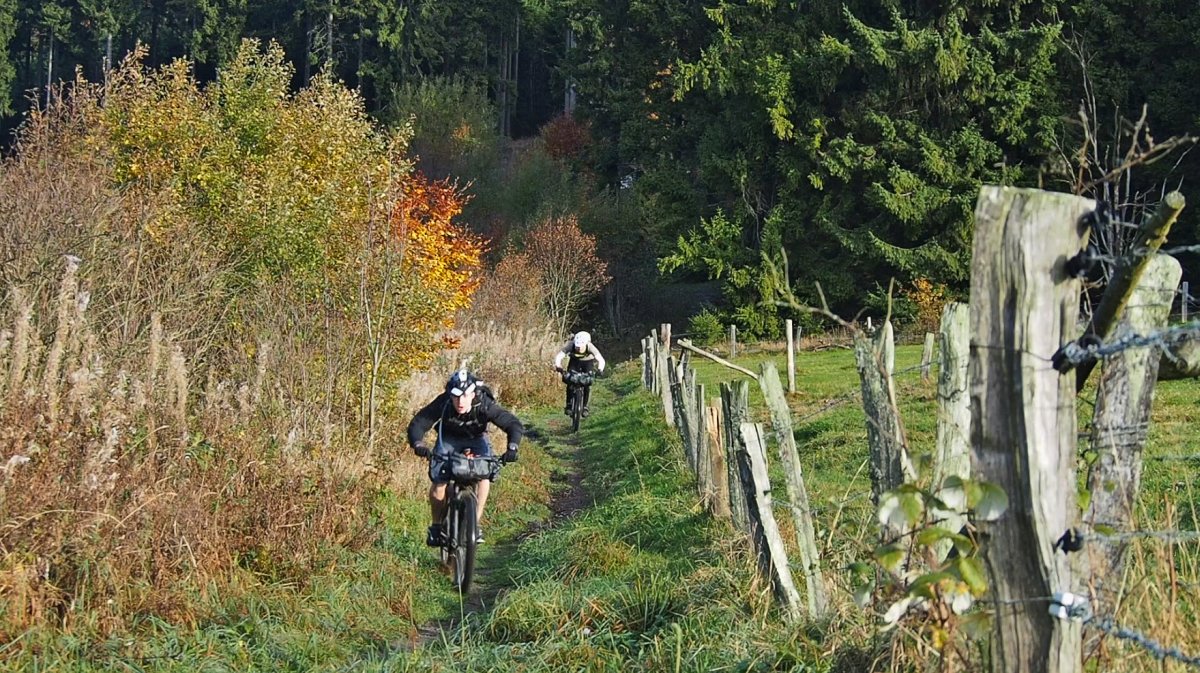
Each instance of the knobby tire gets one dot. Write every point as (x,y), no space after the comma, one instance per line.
(464,563)
(449,534)
(576,407)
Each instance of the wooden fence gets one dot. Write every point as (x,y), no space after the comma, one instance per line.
(1006,416)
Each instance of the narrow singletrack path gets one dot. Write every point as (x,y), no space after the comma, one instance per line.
(568,497)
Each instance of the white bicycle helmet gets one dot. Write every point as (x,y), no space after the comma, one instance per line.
(582,339)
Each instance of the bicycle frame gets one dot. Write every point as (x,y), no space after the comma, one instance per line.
(460,525)
(577,383)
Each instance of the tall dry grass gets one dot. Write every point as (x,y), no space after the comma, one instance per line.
(169,425)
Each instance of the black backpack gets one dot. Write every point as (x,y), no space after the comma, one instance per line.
(485,393)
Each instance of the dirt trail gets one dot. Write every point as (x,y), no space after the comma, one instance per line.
(567,498)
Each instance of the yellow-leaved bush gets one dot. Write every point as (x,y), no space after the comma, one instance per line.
(209,289)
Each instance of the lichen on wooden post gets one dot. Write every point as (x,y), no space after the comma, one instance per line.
(1024,307)
(1120,424)
(890,464)
(789,458)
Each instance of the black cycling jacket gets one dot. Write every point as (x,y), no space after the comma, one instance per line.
(464,426)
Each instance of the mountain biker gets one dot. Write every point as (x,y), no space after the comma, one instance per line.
(461,413)
(582,356)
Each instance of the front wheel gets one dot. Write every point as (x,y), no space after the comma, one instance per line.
(463,565)
(576,407)
(449,533)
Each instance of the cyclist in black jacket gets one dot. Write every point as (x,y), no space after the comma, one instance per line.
(461,415)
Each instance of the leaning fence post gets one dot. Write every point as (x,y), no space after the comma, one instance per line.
(772,553)
(1150,237)
(890,464)
(1024,306)
(1120,425)
(789,458)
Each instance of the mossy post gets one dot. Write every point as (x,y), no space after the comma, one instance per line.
(1149,239)
(1119,428)
(1024,307)
(678,411)
(735,405)
(890,464)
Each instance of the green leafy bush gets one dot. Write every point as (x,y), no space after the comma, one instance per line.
(706,327)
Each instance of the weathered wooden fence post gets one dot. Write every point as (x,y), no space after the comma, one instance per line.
(890,464)
(734,411)
(1184,303)
(1119,428)
(927,357)
(664,380)
(1150,237)
(1024,306)
(732,341)
(679,410)
(704,477)
(764,531)
(654,349)
(953,455)
(791,358)
(648,362)
(802,518)
(718,474)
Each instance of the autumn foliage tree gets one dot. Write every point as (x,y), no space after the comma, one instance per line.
(243,265)
(438,265)
(564,261)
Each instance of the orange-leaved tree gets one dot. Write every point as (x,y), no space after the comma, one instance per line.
(442,258)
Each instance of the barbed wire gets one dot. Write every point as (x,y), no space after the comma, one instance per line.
(1090,348)
(1074,607)
(1160,652)
(813,510)
(1175,458)
(1074,539)
(1137,253)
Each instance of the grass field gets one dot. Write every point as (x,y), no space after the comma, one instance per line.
(640,578)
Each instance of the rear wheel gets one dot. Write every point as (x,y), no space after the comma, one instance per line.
(463,567)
